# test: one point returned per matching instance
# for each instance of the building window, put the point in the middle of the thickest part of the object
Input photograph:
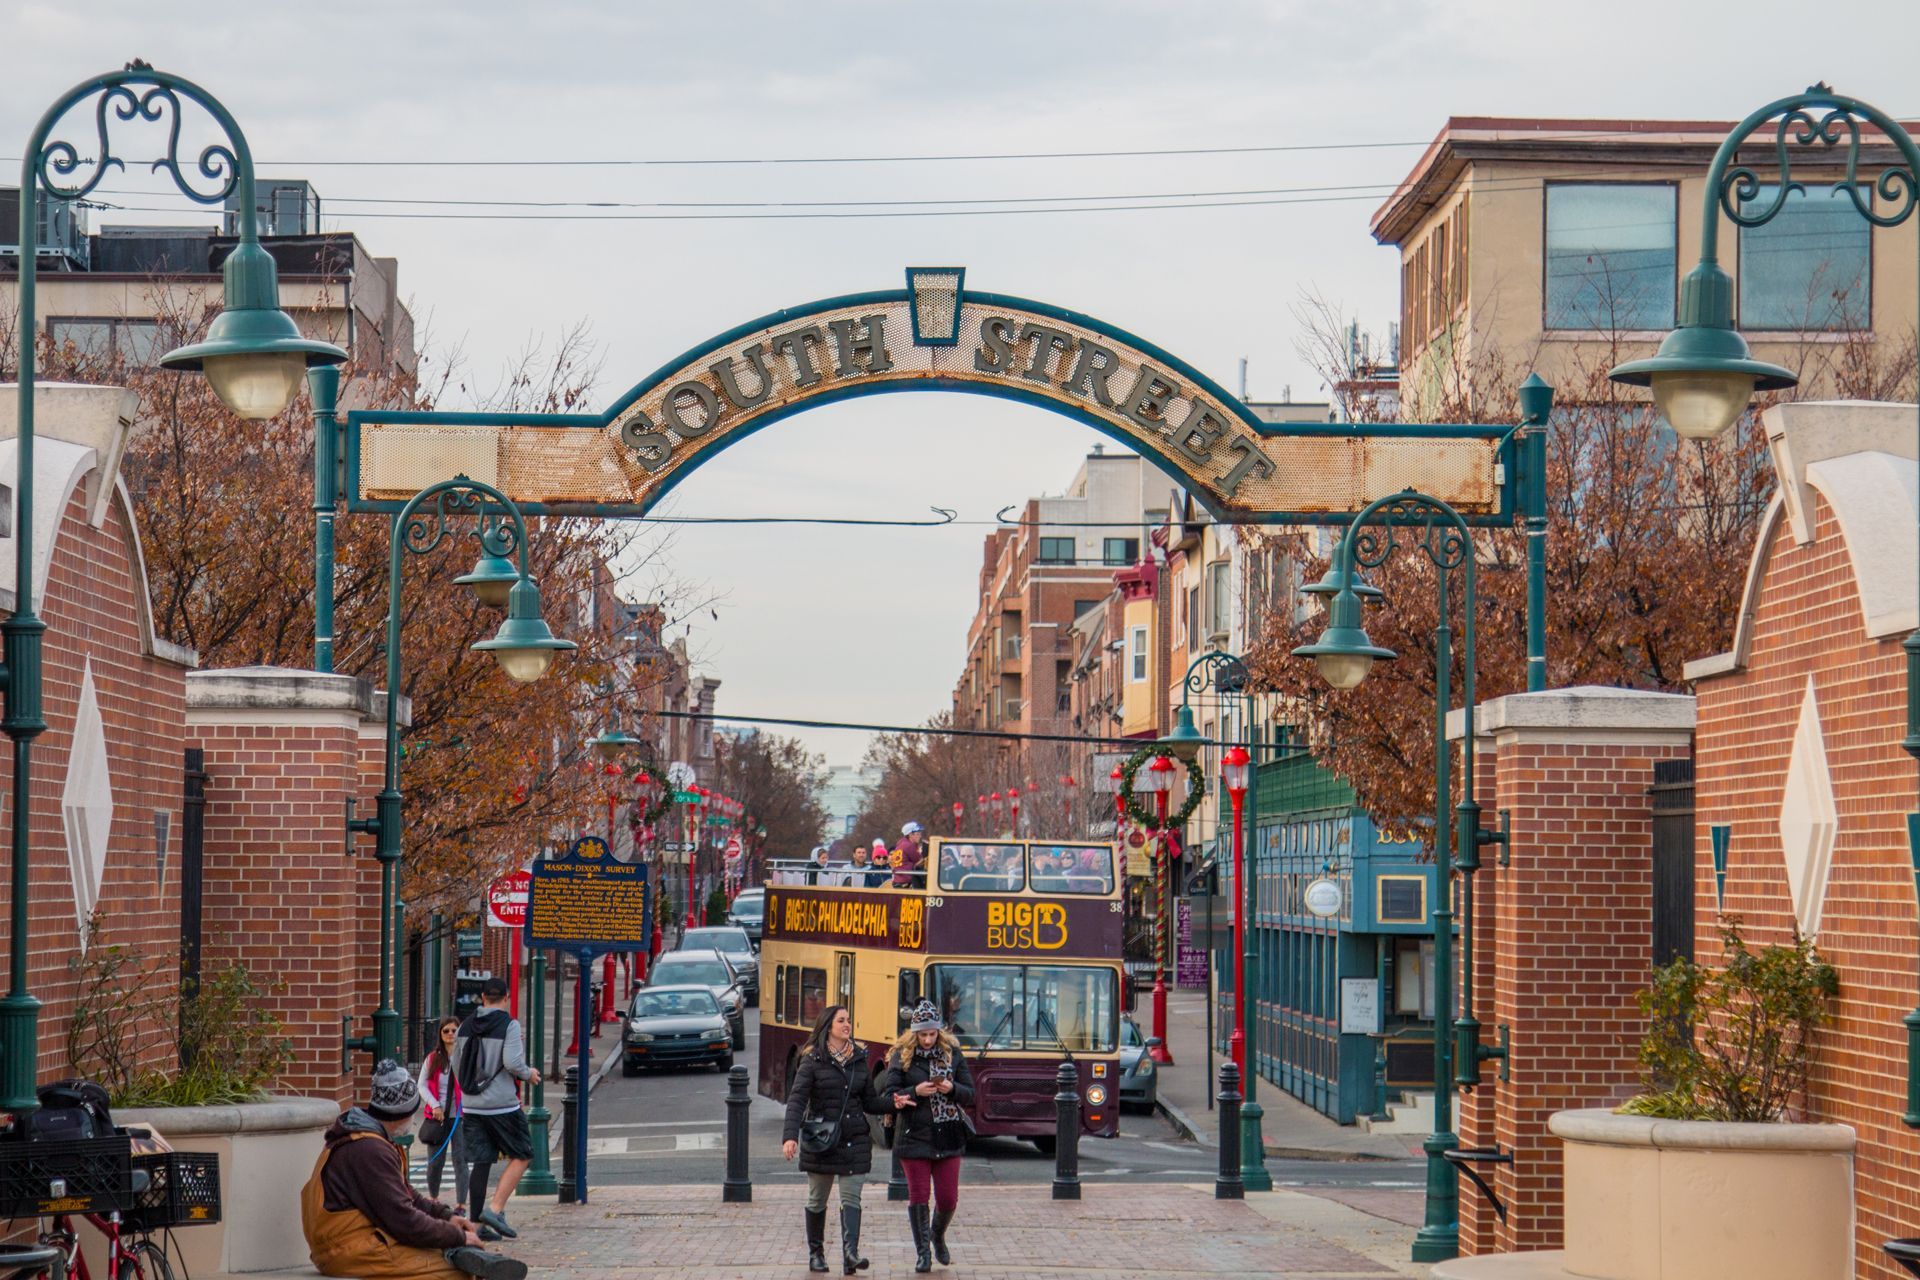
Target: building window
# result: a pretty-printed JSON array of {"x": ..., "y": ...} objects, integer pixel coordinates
[
  {"x": 1610, "y": 256},
  {"x": 1193, "y": 618},
  {"x": 1219, "y": 598},
  {"x": 1809, "y": 268},
  {"x": 1081, "y": 608},
  {"x": 107, "y": 338},
  {"x": 1056, "y": 551},
  {"x": 1121, "y": 551},
  {"x": 1139, "y": 651}
]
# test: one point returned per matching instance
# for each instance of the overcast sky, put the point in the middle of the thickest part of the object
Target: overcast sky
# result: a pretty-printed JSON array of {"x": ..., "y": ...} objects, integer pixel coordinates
[{"x": 864, "y": 624}]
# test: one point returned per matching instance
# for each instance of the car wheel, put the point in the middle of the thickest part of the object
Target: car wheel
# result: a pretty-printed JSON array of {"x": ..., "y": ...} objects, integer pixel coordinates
[
  {"x": 740, "y": 1036},
  {"x": 753, "y": 1000},
  {"x": 726, "y": 1064},
  {"x": 629, "y": 1068}
]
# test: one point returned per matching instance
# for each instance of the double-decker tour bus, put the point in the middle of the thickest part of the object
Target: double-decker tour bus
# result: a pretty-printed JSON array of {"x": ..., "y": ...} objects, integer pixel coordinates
[{"x": 1018, "y": 942}]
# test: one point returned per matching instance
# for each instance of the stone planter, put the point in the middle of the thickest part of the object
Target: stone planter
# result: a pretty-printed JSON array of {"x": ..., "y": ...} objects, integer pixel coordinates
[
  {"x": 1693, "y": 1200},
  {"x": 267, "y": 1151}
]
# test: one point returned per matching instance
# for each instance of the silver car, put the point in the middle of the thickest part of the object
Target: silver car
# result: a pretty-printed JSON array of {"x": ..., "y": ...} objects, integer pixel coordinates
[
  {"x": 1139, "y": 1078},
  {"x": 706, "y": 968}
]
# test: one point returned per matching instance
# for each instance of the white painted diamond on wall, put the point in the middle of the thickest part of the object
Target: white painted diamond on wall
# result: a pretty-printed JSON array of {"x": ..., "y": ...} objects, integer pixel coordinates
[
  {"x": 86, "y": 803},
  {"x": 1808, "y": 817}
]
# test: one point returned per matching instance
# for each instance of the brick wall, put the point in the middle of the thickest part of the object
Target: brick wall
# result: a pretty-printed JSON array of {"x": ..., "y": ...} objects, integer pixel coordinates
[
  {"x": 1565, "y": 928},
  {"x": 93, "y": 606},
  {"x": 283, "y": 896},
  {"x": 1806, "y": 622}
]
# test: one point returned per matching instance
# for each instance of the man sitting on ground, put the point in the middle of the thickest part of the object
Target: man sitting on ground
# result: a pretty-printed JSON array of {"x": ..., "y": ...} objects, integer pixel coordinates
[{"x": 362, "y": 1219}]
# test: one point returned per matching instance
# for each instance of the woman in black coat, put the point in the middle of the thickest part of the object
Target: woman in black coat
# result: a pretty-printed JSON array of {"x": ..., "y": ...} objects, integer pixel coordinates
[
  {"x": 928, "y": 1075},
  {"x": 832, "y": 1084}
]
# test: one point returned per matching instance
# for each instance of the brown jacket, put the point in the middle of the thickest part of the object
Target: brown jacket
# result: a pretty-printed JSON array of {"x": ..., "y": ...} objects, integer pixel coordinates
[{"x": 361, "y": 1170}]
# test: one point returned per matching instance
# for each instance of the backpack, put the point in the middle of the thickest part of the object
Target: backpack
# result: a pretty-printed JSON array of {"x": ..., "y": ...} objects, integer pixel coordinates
[
  {"x": 467, "y": 1075},
  {"x": 70, "y": 1110}
]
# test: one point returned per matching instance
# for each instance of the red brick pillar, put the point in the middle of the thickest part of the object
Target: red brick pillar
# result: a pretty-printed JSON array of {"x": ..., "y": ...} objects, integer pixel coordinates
[
  {"x": 284, "y": 895},
  {"x": 1570, "y": 942}
]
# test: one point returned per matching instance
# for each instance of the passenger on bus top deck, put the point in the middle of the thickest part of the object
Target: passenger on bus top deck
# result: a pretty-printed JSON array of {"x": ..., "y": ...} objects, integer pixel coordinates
[
  {"x": 1048, "y": 875},
  {"x": 907, "y": 858}
]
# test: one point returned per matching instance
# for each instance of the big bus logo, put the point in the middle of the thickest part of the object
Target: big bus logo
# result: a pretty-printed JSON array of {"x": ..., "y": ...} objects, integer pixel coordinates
[{"x": 1026, "y": 926}]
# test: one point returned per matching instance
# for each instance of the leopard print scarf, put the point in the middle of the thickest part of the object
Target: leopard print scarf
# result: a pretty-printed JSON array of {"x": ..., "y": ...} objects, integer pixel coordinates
[{"x": 939, "y": 1065}]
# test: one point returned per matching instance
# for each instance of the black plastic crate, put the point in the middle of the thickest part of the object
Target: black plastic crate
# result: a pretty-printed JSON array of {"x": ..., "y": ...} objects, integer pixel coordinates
[
  {"x": 183, "y": 1191},
  {"x": 88, "y": 1175}
]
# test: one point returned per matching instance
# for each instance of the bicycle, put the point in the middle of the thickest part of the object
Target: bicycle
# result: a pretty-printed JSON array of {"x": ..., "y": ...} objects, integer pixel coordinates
[{"x": 132, "y": 1253}]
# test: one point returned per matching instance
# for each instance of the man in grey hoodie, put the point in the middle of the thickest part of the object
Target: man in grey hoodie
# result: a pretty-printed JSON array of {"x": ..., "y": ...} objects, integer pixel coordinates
[{"x": 490, "y": 1059}]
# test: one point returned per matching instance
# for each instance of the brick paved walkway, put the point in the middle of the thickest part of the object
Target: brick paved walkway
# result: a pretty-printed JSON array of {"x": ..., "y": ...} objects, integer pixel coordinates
[{"x": 1002, "y": 1233}]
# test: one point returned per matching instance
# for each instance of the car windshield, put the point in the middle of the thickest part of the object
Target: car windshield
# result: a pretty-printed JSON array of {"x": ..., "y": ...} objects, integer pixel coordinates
[
  {"x": 754, "y": 906},
  {"x": 1130, "y": 1035},
  {"x": 674, "y": 1004},
  {"x": 719, "y": 940},
  {"x": 708, "y": 972},
  {"x": 1035, "y": 1006}
]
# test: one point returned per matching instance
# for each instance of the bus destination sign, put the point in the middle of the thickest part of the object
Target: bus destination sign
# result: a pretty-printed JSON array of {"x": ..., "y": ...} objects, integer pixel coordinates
[
  {"x": 588, "y": 900},
  {"x": 892, "y": 920}
]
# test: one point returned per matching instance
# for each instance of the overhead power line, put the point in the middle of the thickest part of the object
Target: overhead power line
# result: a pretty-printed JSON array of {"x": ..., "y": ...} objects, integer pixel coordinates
[{"x": 923, "y": 731}]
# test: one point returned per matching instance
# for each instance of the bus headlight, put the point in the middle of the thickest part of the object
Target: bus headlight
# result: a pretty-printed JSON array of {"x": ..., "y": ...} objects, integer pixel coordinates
[{"x": 1096, "y": 1095}]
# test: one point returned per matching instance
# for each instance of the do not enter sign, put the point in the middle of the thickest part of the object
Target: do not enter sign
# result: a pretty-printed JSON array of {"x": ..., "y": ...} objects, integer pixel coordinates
[{"x": 507, "y": 900}]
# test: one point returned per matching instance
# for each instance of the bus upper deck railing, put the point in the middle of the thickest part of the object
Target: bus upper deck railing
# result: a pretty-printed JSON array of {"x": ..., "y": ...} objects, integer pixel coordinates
[{"x": 1000, "y": 867}]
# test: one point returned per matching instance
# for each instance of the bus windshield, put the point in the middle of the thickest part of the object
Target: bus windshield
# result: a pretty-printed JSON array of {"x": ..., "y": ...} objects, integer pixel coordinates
[
  {"x": 1072, "y": 868},
  {"x": 983, "y": 868},
  {"x": 1031, "y": 1006}
]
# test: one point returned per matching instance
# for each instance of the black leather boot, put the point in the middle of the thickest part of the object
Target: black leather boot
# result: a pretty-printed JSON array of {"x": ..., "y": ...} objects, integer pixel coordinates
[
  {"x": 918, "y": 1218},
  {"x": 850, "y": 1259},
  {"x": 816, "y": 1239},
  {"x": 940, "y": 1221}
]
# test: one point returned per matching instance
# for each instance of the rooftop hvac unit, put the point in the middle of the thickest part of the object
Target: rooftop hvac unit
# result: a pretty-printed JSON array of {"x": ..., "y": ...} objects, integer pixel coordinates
[
  {"x": 281, "y": 207},
  {"x": 61, "y": 231}
]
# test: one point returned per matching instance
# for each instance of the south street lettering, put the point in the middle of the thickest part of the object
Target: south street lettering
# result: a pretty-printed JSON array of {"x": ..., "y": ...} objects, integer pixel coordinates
[{"x": 1013, "y": 350}]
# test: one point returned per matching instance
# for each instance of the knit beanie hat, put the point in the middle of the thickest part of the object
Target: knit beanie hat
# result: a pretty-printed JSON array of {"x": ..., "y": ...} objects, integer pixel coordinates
[
  {"x": 926, "y": 1017},
  {"x": 395, "y": 1095}
]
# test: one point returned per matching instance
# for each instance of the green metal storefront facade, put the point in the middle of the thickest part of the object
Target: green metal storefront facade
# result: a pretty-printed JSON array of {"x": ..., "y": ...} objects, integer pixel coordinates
[{"x": 1305, "y": 825}]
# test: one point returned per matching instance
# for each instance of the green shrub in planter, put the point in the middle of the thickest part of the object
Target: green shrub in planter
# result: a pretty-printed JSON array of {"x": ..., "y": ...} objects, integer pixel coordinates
[{"x": 1733, "y": 1043}]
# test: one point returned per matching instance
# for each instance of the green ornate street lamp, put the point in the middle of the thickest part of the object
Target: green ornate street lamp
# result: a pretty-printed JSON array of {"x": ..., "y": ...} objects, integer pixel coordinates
[
  {"x": 253, "y": 356},
  {"x": 523, "y": 646},
  {"x": 1703, "y": 375},
  {"x": 1227, "y": 674},
  {"x": 1345, "y": 654}
]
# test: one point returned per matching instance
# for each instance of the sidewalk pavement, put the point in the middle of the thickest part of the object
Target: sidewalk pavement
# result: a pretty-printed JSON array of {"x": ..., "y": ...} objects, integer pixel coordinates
[
  {"x": 1289, "y": 1128},
  {"x": 1139, "y": 1232}
]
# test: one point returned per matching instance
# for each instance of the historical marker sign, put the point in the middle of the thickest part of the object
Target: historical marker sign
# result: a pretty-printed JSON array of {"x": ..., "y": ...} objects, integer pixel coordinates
[{"x": 588, "y": 900}]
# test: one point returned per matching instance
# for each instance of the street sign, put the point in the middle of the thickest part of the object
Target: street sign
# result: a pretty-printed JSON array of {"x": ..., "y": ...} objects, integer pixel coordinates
[
  {"x": 1359, "y": 1006},
  {"x": 734, "y": 848},
  {"x": 507, "y": 900},
  {"x": 588, "y": 900},
  {"x": 468, "y": 942}
]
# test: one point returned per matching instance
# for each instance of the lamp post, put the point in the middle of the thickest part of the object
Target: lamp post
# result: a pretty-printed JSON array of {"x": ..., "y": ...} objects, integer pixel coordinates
[
  {"x": 1067, "y": 787},
  {"x": 1228, "y": 675},
  {"x": 253, "y": 356},
  {"x": 523, "y": 646},
  {"x": 1703, "y": 376},
  {"x": 958, "y": 810},
  {"x": 1157, "y": 780},
  {"x": 1013, "y": 804},
  {"x": 696, "y": 811},
  {"x": 1344, "y": 655}
]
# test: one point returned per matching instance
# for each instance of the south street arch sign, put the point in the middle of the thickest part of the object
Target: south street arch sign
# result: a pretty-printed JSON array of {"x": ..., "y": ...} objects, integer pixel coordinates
[{"x": 935, "y": 336}]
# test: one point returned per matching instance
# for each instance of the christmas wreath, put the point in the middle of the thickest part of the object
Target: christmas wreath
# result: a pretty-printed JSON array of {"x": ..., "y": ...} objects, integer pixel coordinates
[
  {"x": 641, "y": 813},
  {"x": 1196, "y": 787}
]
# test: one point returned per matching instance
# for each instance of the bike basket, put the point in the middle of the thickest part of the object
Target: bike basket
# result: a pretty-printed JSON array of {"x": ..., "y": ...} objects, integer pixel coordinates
[
  {"x": 183, "y": 1191},
  {"x": 87, "y": 1175}
]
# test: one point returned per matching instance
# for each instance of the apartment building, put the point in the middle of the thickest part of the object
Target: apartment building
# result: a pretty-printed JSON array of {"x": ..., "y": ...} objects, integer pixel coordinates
[
  {"x": 107, "y": 291},
  {"x": 1035, "y": 579},
  {"x": 1558, "y": 245}
]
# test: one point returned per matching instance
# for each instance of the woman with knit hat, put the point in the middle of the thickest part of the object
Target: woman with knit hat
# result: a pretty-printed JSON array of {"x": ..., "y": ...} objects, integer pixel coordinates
[{"x": 928, "y": 1077}]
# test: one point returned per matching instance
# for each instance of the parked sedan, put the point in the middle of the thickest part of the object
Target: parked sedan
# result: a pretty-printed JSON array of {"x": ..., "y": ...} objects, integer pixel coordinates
[
  {"x": 675, "y": 1026},
  {"x": 732, "y": 942},
  {"x": 706, "y": 968},
  {"x": 1139, "y": 1078},
  {"x": 749, "y": 912}
]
